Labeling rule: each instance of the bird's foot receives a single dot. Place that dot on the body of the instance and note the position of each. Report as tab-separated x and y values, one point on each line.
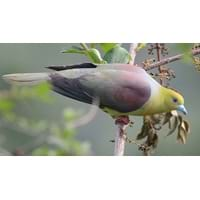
124	120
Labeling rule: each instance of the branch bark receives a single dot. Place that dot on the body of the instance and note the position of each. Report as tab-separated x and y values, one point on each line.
133	52
123	121
120	139
170	59
158	51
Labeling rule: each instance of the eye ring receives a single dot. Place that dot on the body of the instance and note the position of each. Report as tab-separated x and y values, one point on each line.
175	100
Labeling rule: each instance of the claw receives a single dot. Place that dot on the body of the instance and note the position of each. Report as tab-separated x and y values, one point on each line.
123	120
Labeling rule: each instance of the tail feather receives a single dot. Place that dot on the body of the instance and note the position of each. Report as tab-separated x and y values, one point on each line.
27	78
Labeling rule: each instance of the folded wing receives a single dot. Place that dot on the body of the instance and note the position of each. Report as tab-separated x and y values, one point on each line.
120	90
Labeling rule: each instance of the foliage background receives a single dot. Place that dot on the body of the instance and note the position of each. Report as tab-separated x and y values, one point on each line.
92	139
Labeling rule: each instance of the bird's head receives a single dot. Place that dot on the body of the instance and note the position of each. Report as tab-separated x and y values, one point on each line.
174	100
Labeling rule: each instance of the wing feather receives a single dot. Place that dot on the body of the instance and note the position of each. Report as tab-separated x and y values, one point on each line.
123	91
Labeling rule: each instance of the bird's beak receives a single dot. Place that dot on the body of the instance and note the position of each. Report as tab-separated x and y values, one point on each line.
182	109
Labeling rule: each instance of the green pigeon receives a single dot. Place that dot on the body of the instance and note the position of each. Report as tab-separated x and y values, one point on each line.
122	89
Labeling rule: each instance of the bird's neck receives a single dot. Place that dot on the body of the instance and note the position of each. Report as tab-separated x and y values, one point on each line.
156	102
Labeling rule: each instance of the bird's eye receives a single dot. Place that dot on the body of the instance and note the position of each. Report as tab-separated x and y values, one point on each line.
175	100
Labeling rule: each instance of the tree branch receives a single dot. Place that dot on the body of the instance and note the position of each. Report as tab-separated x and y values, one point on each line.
120	139
169	60
123	121
89	116
132	52
158	52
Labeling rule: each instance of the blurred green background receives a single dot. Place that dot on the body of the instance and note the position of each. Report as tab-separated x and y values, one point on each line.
93	138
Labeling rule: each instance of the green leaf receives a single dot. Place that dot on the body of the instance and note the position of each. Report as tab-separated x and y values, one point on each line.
42	151
94	55
42	89
117	55
108	46
141	46
73	50
6	105
69	114
77	47
186	49
92	45
38	92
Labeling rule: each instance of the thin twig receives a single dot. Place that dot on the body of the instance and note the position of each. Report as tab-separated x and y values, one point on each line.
133	52
120	138
88	117
158	51
170	59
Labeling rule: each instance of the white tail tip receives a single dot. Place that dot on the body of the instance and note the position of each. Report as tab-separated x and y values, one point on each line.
27	78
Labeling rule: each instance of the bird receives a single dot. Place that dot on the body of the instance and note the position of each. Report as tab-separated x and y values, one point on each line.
121	89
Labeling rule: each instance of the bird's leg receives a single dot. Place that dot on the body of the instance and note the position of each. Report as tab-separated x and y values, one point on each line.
122	122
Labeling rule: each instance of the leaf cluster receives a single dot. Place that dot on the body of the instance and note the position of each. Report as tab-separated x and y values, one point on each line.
111	52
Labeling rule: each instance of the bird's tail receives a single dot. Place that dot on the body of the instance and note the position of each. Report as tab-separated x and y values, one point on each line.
27	78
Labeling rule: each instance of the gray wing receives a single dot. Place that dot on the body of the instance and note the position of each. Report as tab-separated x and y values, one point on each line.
119	90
